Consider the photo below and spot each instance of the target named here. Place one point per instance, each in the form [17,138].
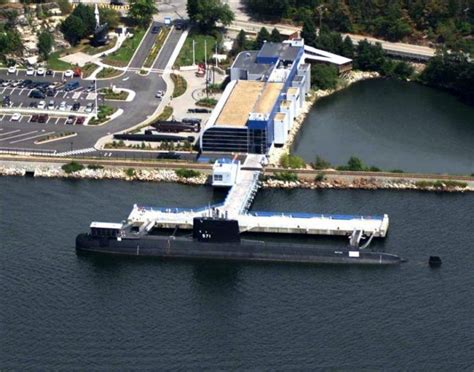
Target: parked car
[16,116]
[68,73]
[37,94]
[15,83]
[76,106]
[51,92]
[12,70]
[155,29]
[41,105]
[89,107]
[6,101]
[70,120]
[49,72]
[43,118]
[80,120]
[33,104]
[51,105]
[30,71]
[159,94]
[34,118]
[77,72]
[62,106]
[198,110]
[74,84]
[40,71]
[5,83]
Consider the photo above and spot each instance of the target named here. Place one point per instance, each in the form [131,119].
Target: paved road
[145,47]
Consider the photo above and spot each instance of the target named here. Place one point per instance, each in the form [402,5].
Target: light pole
[96,100]
[194,52]
[320,9]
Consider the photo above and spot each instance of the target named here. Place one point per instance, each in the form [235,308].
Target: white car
[51,105]
[89,107]
[41,105]
[159,94]
[68,73]
[30,71]
[62,106]
[16,116]
[12,70]
[40,71]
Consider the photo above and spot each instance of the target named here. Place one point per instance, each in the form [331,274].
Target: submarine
[219,238]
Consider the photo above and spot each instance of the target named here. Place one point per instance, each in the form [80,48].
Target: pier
[237,204]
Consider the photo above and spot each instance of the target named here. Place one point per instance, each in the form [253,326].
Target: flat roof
[268,98]
[293,91]
[280,116]
[283,51]
[240,103]
[246,61]
[106,225]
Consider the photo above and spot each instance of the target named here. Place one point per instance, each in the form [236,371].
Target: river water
[59,311]
[391,124]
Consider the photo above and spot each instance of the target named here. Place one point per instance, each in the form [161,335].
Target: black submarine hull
[245,250]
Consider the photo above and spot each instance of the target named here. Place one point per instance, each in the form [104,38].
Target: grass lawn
[109,94]
[121,57]
[180,85]
[55,64]
[159,41]
[185,57]
[88,69]
[207,102]
[108,72]
[103,114]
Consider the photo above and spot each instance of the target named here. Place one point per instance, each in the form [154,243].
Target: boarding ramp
[241,195]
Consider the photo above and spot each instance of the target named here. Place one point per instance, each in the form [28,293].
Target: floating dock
[236,206]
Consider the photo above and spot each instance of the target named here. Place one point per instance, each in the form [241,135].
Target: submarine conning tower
[243,183]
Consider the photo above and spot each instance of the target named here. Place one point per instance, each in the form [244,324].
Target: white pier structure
[237,204]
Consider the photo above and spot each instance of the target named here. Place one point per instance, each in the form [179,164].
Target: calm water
[59,311]
[392,125]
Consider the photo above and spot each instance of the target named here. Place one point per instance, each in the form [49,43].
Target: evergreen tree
[275,36]
[348,48]
[262,36]
[241,43]
[308,33]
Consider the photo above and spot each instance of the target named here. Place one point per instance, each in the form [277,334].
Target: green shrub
[72,167]
[285,176]
[319,177]
[291,161]
[396,171]
[130,172]
[321,163]
[187,173]
[374,169]
[95,166]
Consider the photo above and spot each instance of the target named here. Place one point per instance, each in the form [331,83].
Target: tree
[86,15]
[65,6]
[324,76]
[347,48]
[73,29]
[109,16]
[10,42]
[369,57]
[275,36]
[308,33]
[241,43]
[141,11]
[206,13]
[262,36]
[45,44]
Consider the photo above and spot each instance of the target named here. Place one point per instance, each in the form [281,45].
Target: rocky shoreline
[169,175]
[127,174]
[370,183]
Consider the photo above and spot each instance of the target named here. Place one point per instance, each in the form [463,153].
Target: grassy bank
[54,63]
[180,85]
[185,57]
[159,41]
[122,56]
